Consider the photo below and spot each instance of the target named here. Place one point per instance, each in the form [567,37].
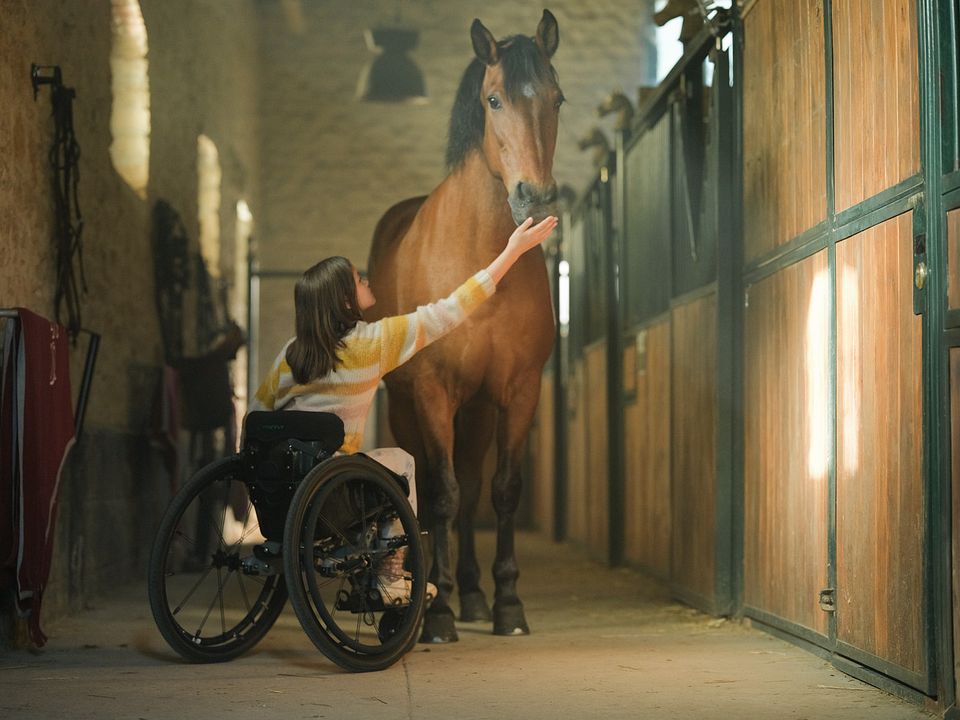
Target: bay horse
[483,379]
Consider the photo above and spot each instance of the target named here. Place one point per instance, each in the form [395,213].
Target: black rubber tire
[204,606]
[327,514]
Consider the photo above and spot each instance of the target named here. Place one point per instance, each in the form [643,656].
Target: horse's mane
[522,63]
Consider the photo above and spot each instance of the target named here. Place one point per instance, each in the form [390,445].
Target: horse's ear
[548,34]
[484,43]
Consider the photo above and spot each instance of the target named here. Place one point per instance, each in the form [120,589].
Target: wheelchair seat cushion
[325,428]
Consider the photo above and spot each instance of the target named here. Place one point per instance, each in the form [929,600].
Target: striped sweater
[372,350]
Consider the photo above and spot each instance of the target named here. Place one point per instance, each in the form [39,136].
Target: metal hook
[37,79]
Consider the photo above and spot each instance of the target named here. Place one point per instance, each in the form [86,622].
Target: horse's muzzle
[529,201]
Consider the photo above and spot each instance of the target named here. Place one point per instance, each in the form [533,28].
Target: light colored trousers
[401,462]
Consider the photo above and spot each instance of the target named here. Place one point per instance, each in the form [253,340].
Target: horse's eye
[560,101]
[494,102]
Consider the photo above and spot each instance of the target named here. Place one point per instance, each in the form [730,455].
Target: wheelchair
[287,517]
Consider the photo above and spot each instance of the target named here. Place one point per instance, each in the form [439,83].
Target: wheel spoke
[202,614]
[337,531]
[254,528]
[192,590]
[223,617]
[180,535]
[223,515]
[243,592]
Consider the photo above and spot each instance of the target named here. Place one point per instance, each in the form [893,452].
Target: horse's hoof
[509,619]
[438,627]
[474,608]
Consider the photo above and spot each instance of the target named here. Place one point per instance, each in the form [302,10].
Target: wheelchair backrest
[279,449]
[326,429]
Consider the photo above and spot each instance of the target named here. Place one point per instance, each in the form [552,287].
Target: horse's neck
[471,197]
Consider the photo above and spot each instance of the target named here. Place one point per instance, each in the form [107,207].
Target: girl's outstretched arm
[402,336]
[526,236]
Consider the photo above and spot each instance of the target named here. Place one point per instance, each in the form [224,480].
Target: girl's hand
[527,235]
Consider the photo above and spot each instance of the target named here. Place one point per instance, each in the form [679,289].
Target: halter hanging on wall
[64,157]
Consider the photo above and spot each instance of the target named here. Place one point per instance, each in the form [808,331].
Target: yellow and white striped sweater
[372,350]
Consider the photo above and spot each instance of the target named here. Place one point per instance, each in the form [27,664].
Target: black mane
[522,63]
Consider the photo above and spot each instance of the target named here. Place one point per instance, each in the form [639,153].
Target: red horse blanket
[36,433]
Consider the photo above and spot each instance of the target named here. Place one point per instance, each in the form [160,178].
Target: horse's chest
[510,333]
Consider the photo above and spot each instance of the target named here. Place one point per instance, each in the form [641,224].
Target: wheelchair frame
[286,517]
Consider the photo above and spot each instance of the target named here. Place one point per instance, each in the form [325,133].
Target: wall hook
[44,75]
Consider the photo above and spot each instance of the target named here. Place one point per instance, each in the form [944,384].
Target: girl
[336,361]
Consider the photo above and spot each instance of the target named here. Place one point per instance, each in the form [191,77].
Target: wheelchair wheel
[348,528]
[212,598]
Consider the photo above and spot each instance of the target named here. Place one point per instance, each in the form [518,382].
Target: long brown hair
[325,299]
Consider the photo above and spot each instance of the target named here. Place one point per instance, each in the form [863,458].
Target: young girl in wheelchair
[336,360]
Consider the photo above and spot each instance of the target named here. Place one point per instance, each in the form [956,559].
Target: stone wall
[203,74]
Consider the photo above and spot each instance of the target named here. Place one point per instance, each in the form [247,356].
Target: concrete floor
[605,644]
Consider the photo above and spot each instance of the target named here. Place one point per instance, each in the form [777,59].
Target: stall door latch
[828,599]
[921,268]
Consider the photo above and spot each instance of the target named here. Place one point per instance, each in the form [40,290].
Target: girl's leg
[401,462]
[394,582]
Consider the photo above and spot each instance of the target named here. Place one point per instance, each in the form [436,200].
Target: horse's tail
[392,226]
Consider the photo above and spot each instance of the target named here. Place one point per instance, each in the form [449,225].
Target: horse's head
[507,107]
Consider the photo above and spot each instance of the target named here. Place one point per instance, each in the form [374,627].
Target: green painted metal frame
[727,499]
[906,196]
[878,679]
[615,223]
[943,81]
[577,343]
[729,272]
[940,149]
[951,201]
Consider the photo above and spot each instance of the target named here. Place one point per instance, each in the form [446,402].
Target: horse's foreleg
[515,419]
[441,500]
[474,430]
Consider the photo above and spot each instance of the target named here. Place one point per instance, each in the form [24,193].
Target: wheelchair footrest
[360,602]
[267,560]
[374,599]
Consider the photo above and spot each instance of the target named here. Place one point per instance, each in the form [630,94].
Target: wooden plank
[880,495]
[693,450]
[955,494]
[787,443]
[784,132]
[876,100]
[953,258]
[597,486]
[647,433]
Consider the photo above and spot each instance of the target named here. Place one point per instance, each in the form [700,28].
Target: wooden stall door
[953,303]
[876,97]
[787,443]
[647,528]
[693,450]
[955,510]
[880,490]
